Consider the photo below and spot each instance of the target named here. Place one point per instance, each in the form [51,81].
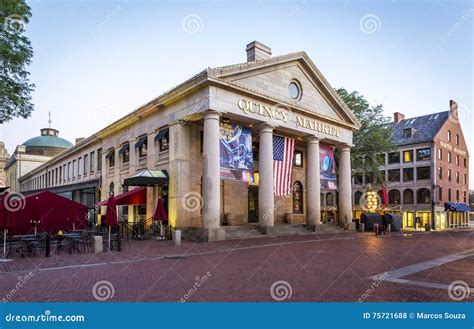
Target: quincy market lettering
[282,114]
[449,147]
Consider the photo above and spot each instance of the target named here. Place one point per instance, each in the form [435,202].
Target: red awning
[136,196]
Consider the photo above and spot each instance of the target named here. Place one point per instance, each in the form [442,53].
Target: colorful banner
[236,158]
[327,167]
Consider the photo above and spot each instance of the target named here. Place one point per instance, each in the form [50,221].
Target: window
[449,135]
[86,158]
[79,161]
[408,197]
[142,145]
[74,169]
[294,89]
[440,194]
[64,173]
[423,154]
[255,148]
[408,156]
[407,133]
[440,172]
[457,195]
[394,175]
[163,139]
[125,153]
[298,159]
[394,197]
[465,162]
[92,162]
[394,157]
[99,159]
[297,198]
[329,199]
[423,196]
[423,173]
[457,139]
[456,160]
[449,157]
[408,174]
[465,179]
[110,157]
[370,179]
[357,197]
[60,174]
[358,179]
[449,194]
[440,154]
[449,174]
[465,197]
[457,177]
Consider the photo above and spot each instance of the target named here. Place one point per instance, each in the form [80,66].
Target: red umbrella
[160,213]
[111,214]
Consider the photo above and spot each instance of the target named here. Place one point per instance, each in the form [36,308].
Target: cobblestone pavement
[329,267]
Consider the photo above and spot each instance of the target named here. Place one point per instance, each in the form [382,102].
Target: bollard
[376,229]
[177,237]
[362,227]
[389,228]
[98,247]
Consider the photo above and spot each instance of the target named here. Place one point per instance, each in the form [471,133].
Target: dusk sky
[95,61]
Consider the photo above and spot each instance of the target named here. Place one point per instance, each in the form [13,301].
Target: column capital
[313,139]
[265,127]
[344,147]
[211,114]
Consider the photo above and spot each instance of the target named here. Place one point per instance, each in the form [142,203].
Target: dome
[48,144]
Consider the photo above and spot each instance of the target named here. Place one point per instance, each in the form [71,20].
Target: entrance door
[253,204]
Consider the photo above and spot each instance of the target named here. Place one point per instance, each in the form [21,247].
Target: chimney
[397,117]
[453,107]
[257,51]
[79,139]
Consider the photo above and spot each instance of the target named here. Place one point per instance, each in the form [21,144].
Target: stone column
[345,187]
[211,190]
[313,184]
[266,201]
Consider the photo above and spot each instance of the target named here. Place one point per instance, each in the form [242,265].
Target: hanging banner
[236,158]
[327,167]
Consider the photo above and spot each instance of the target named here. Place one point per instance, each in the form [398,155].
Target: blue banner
[236,315]
[236,158]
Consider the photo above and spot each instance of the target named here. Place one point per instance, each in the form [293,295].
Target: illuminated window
[408,156]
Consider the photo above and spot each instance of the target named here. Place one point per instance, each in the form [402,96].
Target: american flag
[283,151]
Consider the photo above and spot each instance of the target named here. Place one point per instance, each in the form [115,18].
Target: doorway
[253,204]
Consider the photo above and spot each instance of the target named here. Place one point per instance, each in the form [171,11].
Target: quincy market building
[171,148]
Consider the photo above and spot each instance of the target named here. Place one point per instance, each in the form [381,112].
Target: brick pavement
[327,267]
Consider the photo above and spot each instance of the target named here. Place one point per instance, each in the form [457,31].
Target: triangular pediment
[272,77]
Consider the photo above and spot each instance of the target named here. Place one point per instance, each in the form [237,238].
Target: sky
[95,61]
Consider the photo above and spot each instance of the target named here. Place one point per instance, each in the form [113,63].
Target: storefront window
[423,196]
[297,198]
[423,154]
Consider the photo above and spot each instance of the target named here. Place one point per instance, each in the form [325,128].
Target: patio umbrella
[160,213]
[6,221]
[111,214]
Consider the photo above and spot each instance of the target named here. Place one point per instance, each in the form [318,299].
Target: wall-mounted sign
[323,128]
[455,149]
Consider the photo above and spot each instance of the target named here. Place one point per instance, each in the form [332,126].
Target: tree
[15,55]
[373,137]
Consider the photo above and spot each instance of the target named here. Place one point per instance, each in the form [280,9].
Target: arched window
[423,196]
[394,197]
[297,198]
[357,197]
[408,197]
[329,199]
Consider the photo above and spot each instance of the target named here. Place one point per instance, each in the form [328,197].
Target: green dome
[47,141]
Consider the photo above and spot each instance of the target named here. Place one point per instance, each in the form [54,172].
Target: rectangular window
[456,160]
[457,195]
[74,169]
[298,159]
[64,173]
[465,179]
[449,194]
[56,176]
[440,194]
[99,159]
[358,179]
[407,133]
[440,154]
[449,135]
[408,174]
[394,157]
[86,158]
[457,177]
[423,173]
[79,167]
[465,162]
[449,174]
[91,166]
[440,172]
[394,175]
[423,154]
[125,153]
[163,139]
[69,170]
[408,156]
[60,174]
[110,157]
[449,157]
[457,139]
[142,146]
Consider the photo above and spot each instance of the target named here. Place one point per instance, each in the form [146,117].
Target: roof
[47,141]
[424,128]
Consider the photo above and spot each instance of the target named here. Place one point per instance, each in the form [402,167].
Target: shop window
[408,197]
[329,199]
[394,197]
[255,148]
[298,159]
[408,174]
[394,157]
[142,146]
[125,153]
[423,196]
[110,157]
[297,198]
[423,154]
[408,156]
[394,175]
[163,139]
[357,197]
[423,173]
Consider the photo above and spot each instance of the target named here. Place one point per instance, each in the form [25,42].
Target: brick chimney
[257,51]
[453,107]
[397,117]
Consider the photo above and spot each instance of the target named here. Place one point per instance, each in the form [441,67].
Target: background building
[3,159]
[426,173]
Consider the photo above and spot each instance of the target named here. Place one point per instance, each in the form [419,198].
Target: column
[151,191]
[313,184]
[345,186]
[211,192]
[266,201]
